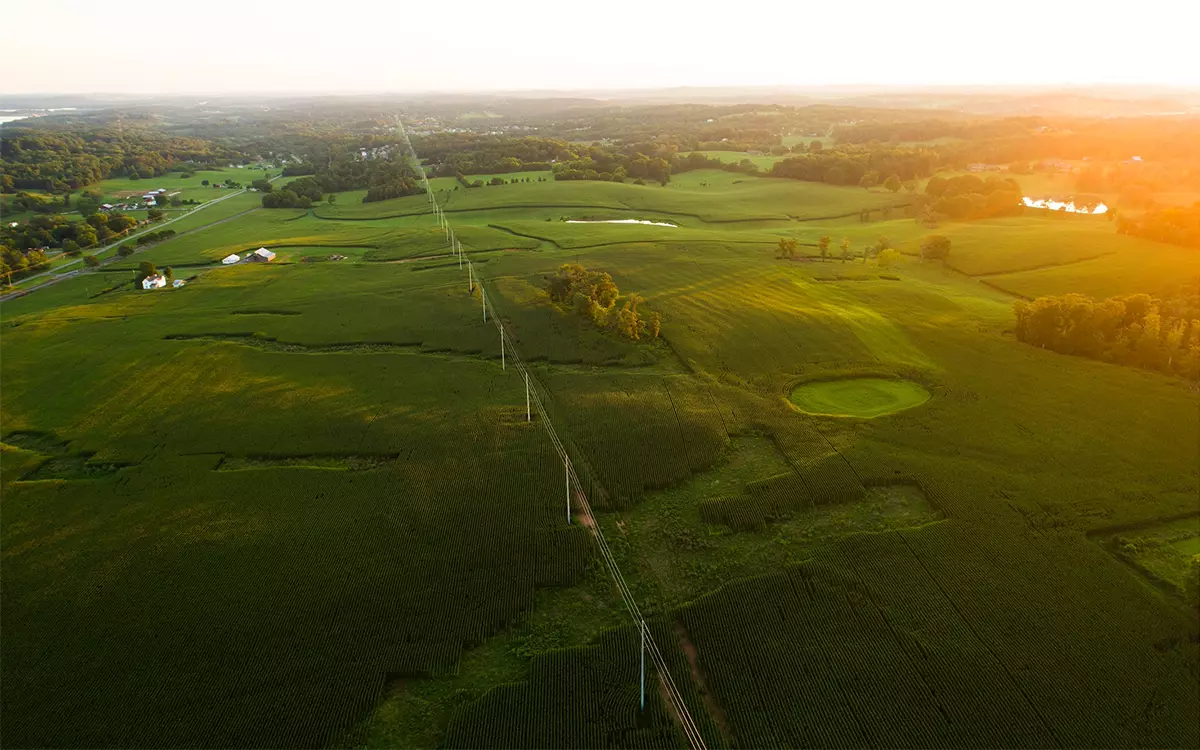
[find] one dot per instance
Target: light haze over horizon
(228, 46)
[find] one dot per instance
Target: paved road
(58, 274)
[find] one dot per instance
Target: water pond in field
(857, 397)
(622, 221)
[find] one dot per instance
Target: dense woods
(849, 165)
(972, 197)
(58, 160)
(1136, 330)
(346, 168)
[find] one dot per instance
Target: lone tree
(935, 247)
(869, 180)
(845, 250)
(145, 269)
(889, 258)
(787, 248)
(823, 244)
(893, 183)
(91, 261)
(125, 251)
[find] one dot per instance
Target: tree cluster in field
(1176, 225)
(881, 249)
(58, 161)
(473, 153)
(594, 295)
(972, 197)
(337, 165)
(301, 193)
(146, 269)
(1136, 330)
(39, 203)
(55, 231)
(850, 165)
(495, 181)
(17, 264)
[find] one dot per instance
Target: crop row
(946, 637)
(269, 606)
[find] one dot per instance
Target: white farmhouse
(157, 281)
(230, 259)
(262, 254)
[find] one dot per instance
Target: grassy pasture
(793, 140)
(188, 187)
(762, 161)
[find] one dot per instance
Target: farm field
(189, 188)
(854, 510)
(726, 201)
(762, 161)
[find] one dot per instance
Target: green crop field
(299, 504)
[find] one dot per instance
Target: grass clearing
(865, 398)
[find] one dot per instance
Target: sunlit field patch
(858, 397)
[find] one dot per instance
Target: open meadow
(299, 503)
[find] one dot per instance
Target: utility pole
(528, 417)
(643, 671)
(567, 469)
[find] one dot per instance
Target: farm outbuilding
(261, 255)
(178, 283)
(230, 259)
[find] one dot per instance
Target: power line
(574, 487)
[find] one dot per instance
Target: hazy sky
(410, 45)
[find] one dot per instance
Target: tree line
(383, 173)
(58, 161)
(1136, 330)
(972, 197)
(850, 164)
(1176, 225)
(594, 295)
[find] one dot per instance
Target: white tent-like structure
(230, 259)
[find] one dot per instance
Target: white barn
(157, 281)
(230, 259)
(261, 254)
